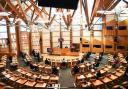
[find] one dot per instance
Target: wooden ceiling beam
(53, 17)
(94, 11)
(14, 9)
(64, 18)
(35, 17)
(72, 17)
(45, 11)
(28, 8)
(32, 15)
(85, 6)
(36, 9)
(113, 5)
(22, 11)
(3, 9)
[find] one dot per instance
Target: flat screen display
(49, 50)
(85, 45)
(109, 27)
(97, 46)
(122, 27)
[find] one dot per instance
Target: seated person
(126, 58)
(98, 74)
(10, 59)
(115, 63)
(82, 60)
(126, 72)
(88, 55)
(33, 52)
(78, 61)
(54, 70)
(31, 66)
(97, 64)
(47, 62)
(75, 69)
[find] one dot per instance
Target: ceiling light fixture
(3, 13)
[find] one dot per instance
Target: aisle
(66, 80)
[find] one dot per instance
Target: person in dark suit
(126, 57)
(10, 59)
(31, 66)
(78, 61)
(75, 69)
(88, 55)
(63, 64)
(33, 52)
(82, 60)
(126, 71)
(54, 70)
(46, 61)
(38, 56)
(98, 74)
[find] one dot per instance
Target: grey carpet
(66, 79)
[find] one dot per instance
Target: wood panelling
(110, 32)
(109, 42)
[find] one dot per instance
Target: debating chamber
(63, 44)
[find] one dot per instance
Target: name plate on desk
(54, 86)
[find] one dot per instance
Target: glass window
(76, 33)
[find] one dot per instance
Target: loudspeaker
(67, 4)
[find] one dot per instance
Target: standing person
(38, 56)
(63, 64)
(75, 69)
(54, 70)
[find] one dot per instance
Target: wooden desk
(89, 75)
(113, 77)
(118, 74)
(29, 74)
(97, 83)
(106, 69)
(45, 77)
(41, 85)
(80, 77)
(8, 75)
(54, 78)
(48, 67)
(103, 71)
(14, 78)
(30, 83)
(4, 73)
(106, 80)
(21, 81)
(22, 71)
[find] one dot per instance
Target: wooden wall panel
(110, 32)
(109, 42)
(85, 42)
(98, 42)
